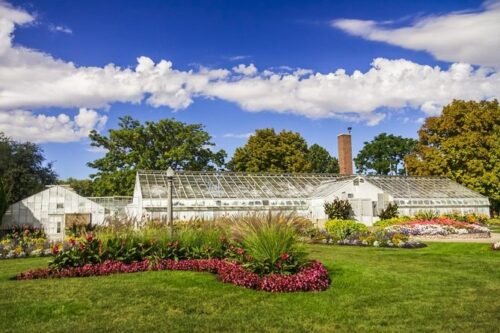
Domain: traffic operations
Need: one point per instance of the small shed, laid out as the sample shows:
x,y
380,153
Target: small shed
x,y
52,209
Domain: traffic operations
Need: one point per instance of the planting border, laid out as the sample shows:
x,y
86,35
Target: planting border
x,y
312,277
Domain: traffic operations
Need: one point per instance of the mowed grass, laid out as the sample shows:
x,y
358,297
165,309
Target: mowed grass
x,y
441,288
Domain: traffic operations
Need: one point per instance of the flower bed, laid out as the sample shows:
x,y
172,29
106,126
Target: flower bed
x,y
311,277
356,234
442,226
404,244
26,241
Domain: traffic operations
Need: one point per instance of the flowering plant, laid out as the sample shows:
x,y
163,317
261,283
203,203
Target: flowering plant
x,y
311,277
438,226
22,242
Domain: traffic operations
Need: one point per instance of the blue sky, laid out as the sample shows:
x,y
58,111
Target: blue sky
x,y
206,40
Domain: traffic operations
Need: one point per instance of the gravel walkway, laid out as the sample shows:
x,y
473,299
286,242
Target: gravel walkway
x,y
495,237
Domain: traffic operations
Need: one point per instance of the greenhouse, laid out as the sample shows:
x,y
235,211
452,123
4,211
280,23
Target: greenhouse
x,y
215,194
53,209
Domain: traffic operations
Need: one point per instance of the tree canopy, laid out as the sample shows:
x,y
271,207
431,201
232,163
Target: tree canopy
x,y
286,151
84,187
23,169
150,146
463,144
384,154
4,204
321,160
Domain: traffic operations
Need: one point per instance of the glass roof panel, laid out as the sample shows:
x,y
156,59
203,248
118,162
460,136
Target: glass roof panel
x,y
422,187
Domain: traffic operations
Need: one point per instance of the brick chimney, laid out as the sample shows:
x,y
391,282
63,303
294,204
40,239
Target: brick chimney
x,y
345,153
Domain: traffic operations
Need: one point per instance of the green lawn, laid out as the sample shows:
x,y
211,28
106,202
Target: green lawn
x,y
441,288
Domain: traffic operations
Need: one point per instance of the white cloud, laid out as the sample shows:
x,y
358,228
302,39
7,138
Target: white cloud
x,y
60,28
389,83
245,70
238,57
27,126
470,37
32,80
238,135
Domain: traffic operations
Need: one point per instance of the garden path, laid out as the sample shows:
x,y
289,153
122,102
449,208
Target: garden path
x,y
495,237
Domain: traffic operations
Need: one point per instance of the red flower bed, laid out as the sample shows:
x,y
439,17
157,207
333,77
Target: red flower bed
x,y
312,277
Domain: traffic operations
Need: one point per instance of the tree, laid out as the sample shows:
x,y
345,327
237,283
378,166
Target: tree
x,y
463,144
150,146
23,169
321,160
286,151
384,154
84,187
4,201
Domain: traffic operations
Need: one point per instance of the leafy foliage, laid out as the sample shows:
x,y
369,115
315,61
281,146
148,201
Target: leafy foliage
x,y
389,212
4,202
426,215
286,151
342,229
84,187
78,254
321,160
23,169
462,144
269,243
338,209
150,146
392,221
384,154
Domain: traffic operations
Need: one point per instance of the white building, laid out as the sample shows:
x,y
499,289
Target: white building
x,y
50,209
214,194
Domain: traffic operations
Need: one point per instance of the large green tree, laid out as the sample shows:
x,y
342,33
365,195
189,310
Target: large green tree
x,y
84,187
23,169
384,154
4,203
321,161
286,151
150,146
463,144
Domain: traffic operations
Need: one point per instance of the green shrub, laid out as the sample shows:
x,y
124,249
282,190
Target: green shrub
x,y
342,229
393,221
493,222
269,242
426,215
338,209
205,243
89,251
391,211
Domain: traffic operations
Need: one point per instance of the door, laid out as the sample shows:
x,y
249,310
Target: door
x,y
55,228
